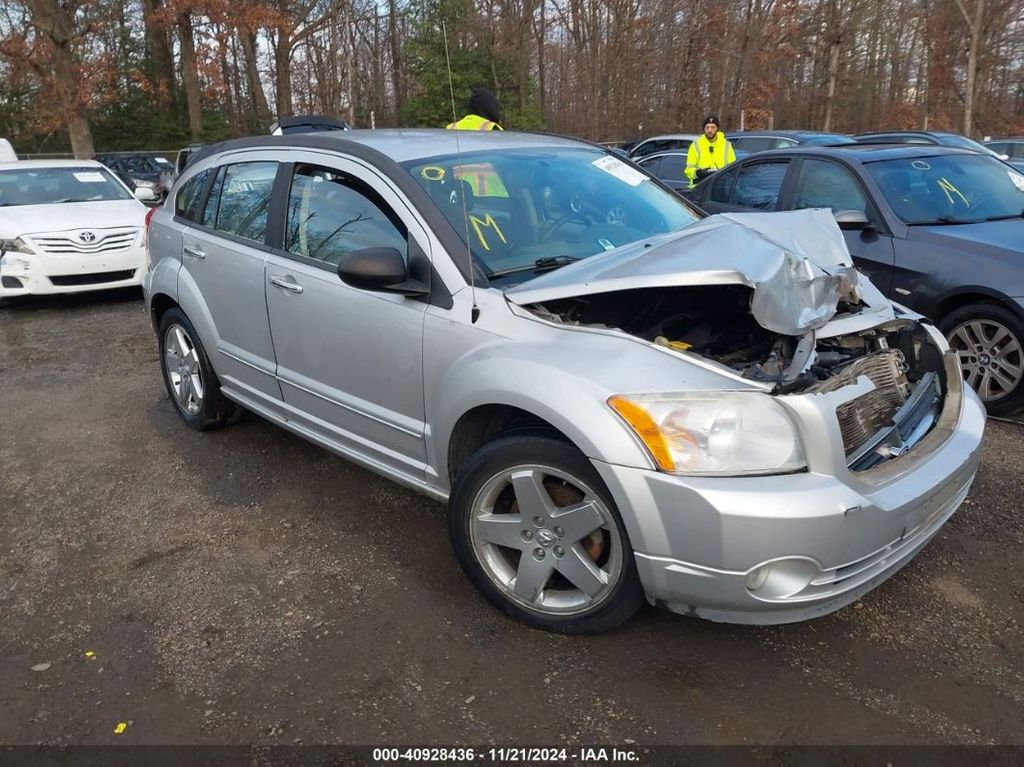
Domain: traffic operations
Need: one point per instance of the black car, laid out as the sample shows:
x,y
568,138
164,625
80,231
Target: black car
x,y
141,171
940,230
669,167
748,142
307,124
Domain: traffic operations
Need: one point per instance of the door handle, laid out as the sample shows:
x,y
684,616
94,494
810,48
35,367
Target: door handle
x,y
193,252
286,283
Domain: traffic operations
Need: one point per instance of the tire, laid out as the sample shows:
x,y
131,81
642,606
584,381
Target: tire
x,y
989,340
199,401
580,576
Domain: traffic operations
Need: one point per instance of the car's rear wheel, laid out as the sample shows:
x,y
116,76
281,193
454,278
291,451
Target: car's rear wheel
x,y
537,532
989,342
189,377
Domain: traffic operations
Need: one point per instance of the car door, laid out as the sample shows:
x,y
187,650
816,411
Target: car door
x,y
750,187
223,254
824,183
349,360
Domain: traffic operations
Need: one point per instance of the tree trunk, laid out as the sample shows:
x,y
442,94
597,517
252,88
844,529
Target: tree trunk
x,y
833,77
282,75
190,76
57,25
397,80
975,27
252,76
161,59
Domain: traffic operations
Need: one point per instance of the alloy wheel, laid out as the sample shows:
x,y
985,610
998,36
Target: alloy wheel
x,y
990,356
546,540
181,362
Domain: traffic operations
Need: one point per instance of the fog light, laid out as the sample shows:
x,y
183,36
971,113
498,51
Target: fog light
x,y
756,578
781,578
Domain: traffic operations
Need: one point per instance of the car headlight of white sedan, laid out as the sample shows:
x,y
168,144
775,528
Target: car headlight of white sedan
x,y
10,260
713,433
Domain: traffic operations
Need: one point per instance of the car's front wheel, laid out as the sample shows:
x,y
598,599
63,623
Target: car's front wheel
x,y
537,532
989,341
189,377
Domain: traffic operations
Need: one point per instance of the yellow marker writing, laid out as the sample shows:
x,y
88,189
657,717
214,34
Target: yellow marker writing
x,y
487,222
120,728
947,186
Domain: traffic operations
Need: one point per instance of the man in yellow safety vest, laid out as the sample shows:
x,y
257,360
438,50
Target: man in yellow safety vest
x,y
710,152
484,112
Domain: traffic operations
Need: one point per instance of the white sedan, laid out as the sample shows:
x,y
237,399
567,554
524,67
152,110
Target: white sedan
x,y
67,226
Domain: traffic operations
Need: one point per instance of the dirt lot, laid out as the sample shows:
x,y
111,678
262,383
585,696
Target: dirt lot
x,y
243,586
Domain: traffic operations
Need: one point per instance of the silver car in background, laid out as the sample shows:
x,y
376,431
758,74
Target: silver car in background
x,y
617,398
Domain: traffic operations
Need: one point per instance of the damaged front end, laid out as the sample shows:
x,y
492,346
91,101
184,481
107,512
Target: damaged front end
x,y
804,329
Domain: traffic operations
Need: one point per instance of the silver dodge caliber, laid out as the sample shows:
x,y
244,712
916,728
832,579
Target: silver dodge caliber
x,y
618,398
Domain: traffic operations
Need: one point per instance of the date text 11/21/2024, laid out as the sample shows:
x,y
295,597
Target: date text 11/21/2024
x,y
595,754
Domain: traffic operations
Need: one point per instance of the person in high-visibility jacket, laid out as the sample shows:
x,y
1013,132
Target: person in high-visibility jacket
x,y
484,112
710,152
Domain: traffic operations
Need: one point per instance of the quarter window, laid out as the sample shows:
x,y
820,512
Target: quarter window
x,y
244,200
331,214
209,217
758,186
186,202
827,185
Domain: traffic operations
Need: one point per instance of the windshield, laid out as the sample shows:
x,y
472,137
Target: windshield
x,y
44,186
950,189
526,211
962,142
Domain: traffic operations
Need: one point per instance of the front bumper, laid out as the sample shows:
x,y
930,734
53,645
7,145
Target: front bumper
x,y
73,273
699,542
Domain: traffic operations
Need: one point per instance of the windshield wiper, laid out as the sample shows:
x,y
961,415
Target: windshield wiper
x,y
540,265
1006,217
75,199
946,220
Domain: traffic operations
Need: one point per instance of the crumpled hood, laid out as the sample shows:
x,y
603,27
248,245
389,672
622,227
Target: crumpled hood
x,y
19,220
796,262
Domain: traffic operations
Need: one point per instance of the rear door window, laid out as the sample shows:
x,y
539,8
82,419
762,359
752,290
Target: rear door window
x,y
673,167
244,199
759,185
652,166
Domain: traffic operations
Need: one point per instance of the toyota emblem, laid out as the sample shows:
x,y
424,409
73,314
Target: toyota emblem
x,y
86,236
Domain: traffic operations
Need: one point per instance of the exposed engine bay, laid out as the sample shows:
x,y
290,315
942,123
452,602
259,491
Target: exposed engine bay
x,y
715,322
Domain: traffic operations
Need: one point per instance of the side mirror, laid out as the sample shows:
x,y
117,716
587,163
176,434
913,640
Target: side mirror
x,y
381,269
145,194
851,220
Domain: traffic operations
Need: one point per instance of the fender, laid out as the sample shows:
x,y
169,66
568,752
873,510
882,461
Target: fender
x,y
549,371
163,280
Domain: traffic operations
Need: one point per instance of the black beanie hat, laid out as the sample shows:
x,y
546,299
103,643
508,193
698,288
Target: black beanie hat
x,y
482,102
711,120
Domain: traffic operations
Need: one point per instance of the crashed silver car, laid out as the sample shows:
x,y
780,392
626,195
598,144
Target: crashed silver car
x,y
618,399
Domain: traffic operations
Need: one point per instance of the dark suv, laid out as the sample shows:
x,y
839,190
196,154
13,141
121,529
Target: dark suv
x,y
940,230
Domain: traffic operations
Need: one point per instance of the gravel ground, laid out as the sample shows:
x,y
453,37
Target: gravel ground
x,y
244,586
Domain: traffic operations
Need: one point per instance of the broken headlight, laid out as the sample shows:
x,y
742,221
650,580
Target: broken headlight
x,y
714,433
